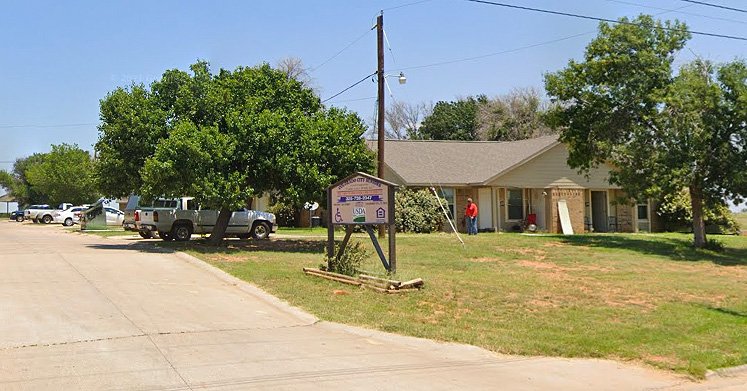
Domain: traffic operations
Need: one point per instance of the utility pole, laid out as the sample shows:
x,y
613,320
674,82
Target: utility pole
x,y
381,110
380,95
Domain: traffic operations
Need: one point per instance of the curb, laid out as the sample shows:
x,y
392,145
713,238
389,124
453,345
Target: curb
x,y
727,372
248,288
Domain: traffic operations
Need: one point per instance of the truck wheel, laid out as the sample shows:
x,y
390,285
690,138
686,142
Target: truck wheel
x,y
19,219
165,236
260,230
68,222
181,232
46,219
145,235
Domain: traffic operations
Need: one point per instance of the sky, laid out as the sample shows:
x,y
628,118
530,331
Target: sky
x,y
58,59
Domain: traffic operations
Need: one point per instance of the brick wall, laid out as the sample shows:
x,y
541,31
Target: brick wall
x,y
625,217
574,198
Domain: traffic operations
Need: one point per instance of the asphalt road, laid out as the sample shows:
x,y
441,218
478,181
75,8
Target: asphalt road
x,y
79,312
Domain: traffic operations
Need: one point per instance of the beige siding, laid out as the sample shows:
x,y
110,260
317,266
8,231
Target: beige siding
x,y
550,170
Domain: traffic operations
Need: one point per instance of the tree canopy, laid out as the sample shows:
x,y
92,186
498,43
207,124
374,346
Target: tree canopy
x,y
660,131
518,115
452,120
63,175
226,137
17,182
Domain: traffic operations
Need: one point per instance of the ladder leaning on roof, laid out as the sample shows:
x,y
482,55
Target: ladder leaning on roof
x,y
451,223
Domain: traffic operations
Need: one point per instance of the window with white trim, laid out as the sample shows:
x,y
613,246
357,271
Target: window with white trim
x,y
448,194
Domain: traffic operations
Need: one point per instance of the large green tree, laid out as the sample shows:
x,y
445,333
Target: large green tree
x,y
17,183
65,174
660,131
452,120
226,137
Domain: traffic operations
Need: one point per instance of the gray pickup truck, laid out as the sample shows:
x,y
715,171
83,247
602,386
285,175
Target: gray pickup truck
x,y
177,219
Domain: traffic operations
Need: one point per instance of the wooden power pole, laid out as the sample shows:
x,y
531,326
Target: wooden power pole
x,y
380,114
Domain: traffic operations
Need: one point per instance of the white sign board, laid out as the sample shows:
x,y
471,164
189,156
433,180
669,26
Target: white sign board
x,y
565,218
361,200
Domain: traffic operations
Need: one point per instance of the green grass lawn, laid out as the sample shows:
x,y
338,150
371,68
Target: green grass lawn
x,y
111,231
645,298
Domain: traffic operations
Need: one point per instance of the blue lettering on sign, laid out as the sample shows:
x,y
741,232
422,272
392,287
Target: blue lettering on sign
x,y
360,198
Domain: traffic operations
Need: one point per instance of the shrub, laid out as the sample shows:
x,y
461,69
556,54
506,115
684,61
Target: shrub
x,y
350,261
417,211
714,245
284,213
677,215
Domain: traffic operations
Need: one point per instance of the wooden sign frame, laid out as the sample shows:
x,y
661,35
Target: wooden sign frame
x,y
365,200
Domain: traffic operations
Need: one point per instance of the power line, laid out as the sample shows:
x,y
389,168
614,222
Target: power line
x,y
714,5
406,5
340,52
495,53
349,87
354,100
46,126
677,10
521,47
599,19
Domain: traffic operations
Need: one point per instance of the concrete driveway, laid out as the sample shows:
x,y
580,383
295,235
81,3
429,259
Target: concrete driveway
x,y
82,312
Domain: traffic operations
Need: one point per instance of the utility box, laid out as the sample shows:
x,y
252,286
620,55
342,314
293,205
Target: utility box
x,y
93,218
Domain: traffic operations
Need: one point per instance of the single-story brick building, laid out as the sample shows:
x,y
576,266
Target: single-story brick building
x,y
513,182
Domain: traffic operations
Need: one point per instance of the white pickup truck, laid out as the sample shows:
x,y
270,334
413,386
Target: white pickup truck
x,y
43,213
177,219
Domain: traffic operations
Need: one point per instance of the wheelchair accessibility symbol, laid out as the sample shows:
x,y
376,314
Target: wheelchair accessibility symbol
x,y
338,216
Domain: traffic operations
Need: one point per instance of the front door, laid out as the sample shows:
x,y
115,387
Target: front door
x,y
484,208
538,207
599,211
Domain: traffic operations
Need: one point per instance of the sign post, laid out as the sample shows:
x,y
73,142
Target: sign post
x,y
365,200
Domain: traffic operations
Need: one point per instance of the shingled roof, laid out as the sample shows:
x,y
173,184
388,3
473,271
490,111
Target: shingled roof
x,y
421,163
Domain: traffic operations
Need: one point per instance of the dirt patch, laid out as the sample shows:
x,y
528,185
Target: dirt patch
x,y
233,258
485,260
534,304
540,265
670,362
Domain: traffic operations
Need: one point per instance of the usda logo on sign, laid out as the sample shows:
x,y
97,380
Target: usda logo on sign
x,y
359,215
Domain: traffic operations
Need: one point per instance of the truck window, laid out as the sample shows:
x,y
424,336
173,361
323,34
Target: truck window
x,y
192,205
164,204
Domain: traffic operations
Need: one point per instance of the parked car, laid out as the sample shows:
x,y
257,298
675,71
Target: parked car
x,y
68,216
17,215
114,216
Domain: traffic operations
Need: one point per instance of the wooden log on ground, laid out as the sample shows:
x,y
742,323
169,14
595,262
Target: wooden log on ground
x,y
416,283
379,279
331,274
378,284
333,278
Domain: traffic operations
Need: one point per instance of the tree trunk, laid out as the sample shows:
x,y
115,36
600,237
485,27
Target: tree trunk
x,y
696,199
219,231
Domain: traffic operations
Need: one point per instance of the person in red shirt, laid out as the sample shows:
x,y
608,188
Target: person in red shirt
x,y
470,216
